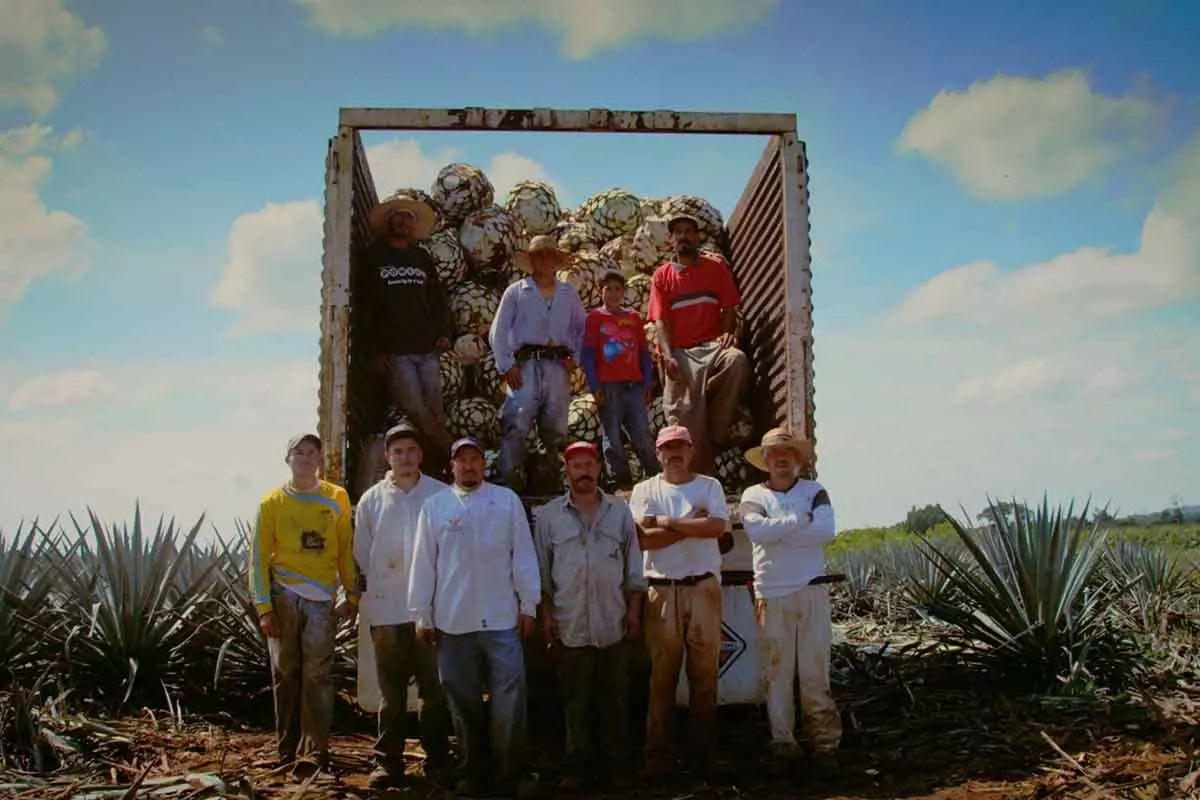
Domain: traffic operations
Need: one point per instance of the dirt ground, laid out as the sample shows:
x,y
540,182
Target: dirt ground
x,y
931,735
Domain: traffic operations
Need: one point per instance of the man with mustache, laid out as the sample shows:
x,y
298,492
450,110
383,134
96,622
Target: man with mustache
x,y
474,589
682,515
693,303
592,593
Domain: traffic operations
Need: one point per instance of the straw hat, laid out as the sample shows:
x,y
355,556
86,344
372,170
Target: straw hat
x,y
543,243
780,437
423,214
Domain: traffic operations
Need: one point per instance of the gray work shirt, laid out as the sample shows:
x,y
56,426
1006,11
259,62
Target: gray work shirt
x,y
588,570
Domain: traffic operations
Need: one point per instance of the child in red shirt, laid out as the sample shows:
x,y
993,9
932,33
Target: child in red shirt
x,y
616,361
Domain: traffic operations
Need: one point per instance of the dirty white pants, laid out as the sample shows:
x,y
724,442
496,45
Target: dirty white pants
x,y
795,637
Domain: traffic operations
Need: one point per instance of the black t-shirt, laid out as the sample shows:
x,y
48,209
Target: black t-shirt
x,y
410,311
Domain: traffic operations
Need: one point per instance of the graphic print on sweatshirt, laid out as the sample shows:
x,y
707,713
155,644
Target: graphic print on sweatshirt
x,y
402,275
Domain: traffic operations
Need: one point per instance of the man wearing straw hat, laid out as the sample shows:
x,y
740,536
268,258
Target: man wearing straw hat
x,y
536,337
788,519
409,317
693,303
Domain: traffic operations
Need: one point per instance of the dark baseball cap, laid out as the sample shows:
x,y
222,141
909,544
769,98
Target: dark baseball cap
x,y
401,430
466,441
301,438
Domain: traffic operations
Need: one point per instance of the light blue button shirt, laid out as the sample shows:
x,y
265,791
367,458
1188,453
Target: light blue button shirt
x,y
524,317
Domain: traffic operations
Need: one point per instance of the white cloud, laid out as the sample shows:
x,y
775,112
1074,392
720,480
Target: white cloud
x,y
212,36
1090,283
584,29
212,441
1155,455
1012,137
35,242
60,389
272,274
41,44
1020,380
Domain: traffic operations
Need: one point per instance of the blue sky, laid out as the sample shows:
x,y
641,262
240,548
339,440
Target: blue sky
x,y
1005,206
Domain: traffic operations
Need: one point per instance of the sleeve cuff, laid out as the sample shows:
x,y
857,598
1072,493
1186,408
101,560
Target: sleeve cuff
x,y
264,608
527,610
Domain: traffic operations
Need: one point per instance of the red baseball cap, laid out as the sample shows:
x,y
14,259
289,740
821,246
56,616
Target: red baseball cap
x,y
575,448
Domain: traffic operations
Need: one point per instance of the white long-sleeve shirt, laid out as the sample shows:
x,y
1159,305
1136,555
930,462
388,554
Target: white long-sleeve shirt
x,y
474,567
385,533
787,531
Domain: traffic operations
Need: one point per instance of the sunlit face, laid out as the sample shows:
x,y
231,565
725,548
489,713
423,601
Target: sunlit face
x,y
543,262
401,223
305,461
783,463
685,237
467,466
404,456
583,470
613,294
675,456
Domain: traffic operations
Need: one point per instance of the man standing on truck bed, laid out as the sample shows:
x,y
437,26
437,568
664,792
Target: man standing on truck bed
x,y
682,515
788,520
409,317
474,589
299,549
592,593
536,337
693,303
385,531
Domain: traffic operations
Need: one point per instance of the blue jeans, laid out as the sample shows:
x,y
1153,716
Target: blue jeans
x,y
544,396
463,662
415,385
625,407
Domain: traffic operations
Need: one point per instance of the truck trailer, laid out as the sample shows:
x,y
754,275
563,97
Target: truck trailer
x,y
769,251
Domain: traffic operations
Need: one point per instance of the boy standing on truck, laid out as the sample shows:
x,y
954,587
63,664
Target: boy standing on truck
x,y
474,589
682,515
620,373
409,317
536,336
693,303
300,547
592,594
788,520
385,532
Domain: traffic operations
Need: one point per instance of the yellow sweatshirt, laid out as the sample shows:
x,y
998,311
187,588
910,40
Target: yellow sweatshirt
x,y
304,540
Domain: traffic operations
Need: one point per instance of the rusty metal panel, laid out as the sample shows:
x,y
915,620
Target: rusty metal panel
x,y
594,120
334,302
798,277
758,256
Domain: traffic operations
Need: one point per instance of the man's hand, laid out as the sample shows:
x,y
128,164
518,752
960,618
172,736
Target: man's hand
x,y
726,340
549,629
649,392
383,363
598,396
513,376
443,344
633,623
526,625
348,610
569,364
268,623
671,366
427,636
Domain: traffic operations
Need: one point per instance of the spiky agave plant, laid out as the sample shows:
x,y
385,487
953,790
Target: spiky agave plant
x,y
1031,589
26,584
1160,582
242,667
127,621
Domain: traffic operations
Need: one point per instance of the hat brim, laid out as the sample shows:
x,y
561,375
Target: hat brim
x,y
756,456
524,260
674,218
425,216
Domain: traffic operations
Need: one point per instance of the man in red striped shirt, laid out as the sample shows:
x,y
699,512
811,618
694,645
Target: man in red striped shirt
x,y
693,303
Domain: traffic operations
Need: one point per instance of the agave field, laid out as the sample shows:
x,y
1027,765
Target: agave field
x,y
1040,656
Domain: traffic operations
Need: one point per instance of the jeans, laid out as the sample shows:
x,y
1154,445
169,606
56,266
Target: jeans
x,y
415,385
625,407
303,656
544,395
463,661
398,658
683,619
795,637
595,682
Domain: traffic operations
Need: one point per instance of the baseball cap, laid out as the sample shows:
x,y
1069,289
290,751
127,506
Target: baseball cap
x,y
466,441
577,448
673,433
399,431
300,438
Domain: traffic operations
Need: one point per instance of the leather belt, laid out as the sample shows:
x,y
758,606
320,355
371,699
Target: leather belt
x,y
690,580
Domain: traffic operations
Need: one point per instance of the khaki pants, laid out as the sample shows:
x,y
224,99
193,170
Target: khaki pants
x,y
705,399
683,627
795,637
398,658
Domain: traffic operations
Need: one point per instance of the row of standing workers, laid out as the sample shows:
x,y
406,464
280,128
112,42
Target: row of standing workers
x,y
450,579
